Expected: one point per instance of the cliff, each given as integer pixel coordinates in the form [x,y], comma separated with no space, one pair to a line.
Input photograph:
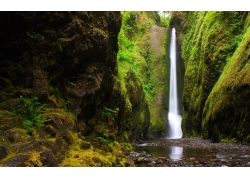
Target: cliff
[58,104]
[215,48]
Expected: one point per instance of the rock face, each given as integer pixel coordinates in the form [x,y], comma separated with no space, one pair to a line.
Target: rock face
[215,49]
[67,60]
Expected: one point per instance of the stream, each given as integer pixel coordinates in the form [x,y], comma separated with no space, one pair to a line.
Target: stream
[189,152]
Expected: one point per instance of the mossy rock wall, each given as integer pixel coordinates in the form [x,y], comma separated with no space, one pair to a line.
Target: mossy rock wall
[159,66]
[67,60]
[216,53]
[143,68]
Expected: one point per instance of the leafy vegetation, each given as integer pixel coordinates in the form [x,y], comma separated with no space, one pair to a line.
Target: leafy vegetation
[30,110]
[108,113]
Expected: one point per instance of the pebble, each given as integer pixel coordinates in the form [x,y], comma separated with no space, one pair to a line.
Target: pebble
[218,155]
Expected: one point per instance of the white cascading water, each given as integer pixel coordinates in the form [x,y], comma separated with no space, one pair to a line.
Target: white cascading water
[174,119]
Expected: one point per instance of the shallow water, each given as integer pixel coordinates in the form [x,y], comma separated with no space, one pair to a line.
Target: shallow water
[228,157]
[176,152]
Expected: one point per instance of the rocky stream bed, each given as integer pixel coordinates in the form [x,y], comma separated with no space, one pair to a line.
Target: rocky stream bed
[189,152]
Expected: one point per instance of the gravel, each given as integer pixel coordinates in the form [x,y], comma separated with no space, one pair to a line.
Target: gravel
[196,152]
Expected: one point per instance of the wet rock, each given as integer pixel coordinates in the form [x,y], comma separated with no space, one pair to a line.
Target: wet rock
[129,163]
[140,159]
[16,135]
[59,149]
[31,147]
[51,130]
[4,151]
[160,161]
[48,159]
[152,163]
[17,161]
[65,132]
[47,143]
[148,160]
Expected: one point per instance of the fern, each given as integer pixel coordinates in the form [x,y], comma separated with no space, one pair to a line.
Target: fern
[31,110]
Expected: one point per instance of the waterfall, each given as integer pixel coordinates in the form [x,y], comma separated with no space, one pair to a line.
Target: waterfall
[174,117]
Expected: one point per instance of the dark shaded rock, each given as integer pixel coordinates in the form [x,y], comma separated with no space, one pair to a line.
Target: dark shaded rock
[85,145]
[10,105]
[47,143]
[31,147]
[51,130]
[4,151]
[68,61]
[17,161]
[18,135]
[48,159]
[40,84]
[59,149]
[65,132]
[92,122]
[140,158]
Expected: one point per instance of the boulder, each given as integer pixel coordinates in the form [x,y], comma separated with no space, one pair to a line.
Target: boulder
[17,161]
[4,151]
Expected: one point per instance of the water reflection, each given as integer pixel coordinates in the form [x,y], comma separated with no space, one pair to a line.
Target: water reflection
[175,153]
[204,155]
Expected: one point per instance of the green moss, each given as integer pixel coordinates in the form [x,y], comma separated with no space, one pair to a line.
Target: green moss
[142,62]
[95,157]
[209,42]
[215,51]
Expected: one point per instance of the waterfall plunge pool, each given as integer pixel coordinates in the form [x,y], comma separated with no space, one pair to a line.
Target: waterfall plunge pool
[194,152]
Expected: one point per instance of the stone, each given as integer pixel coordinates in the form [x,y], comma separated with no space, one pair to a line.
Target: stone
[31,147]
[65,132]
[129,163]
[48,159]
[51,130]
[59,149]
[58,145]
[4,151]
[162,158]
[140,159]
[47,143]
[40,84]
[17,161]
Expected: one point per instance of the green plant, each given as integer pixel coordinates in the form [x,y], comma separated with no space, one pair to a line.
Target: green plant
[34,35]
[164,21]
[108,113]
[149,88]
[31,110]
